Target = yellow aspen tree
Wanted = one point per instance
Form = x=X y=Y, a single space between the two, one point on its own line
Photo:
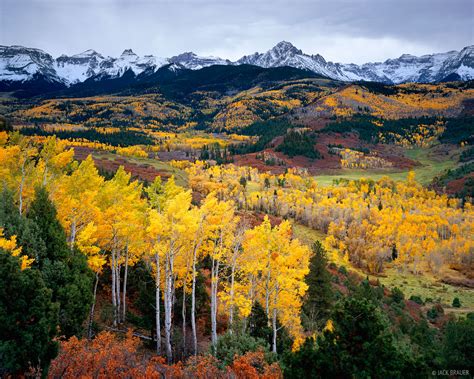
x=282 y=263
x=53 y=158
x=76 y=199
x=87 y=244
x=116 y=200
x=168 y=227
x=220 y=226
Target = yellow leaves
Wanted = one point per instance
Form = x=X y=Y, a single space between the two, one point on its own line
x=409 y=101
x=96 y=262
x=330 y=101
x=26 y=262
x=3 y=138
x=132 y=151
x=272 y=253
x=62 y=159
x=356 y=159
x=87 y=243
x=364 y=220
x=329 y=326
x=10 y=245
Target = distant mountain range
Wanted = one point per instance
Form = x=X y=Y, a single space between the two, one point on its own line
x=22 y=66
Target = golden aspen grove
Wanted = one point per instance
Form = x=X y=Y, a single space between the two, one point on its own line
x=273 y=215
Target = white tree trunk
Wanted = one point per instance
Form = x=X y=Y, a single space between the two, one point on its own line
x=114 y=293
x=183 y=314
x=231 y=310
x=214 y=285
x=197 y=245
x=73 y=233
x=193 y=305
x=91 y=314
x=274 y=325
x=157 y=304
x=124 y=293
x=168 y=304
x=267 y=293
x=117 y=288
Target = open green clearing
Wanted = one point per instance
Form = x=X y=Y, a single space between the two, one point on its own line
x=431 y=164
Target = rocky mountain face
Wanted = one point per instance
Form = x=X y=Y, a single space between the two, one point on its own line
x=20 y=64
x=192 y=61
x=406 y=68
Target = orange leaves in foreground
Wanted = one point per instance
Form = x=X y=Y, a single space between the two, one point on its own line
x=107 y=356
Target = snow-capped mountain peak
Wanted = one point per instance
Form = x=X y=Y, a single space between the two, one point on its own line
x=192 y=61
x=128 y=52
x=285 y=48
x=22 y=64
x=87 y=53
x=406 y=68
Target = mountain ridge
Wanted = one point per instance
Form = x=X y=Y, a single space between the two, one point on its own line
x=22 y=64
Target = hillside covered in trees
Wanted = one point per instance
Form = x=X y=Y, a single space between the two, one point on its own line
x=234 y=272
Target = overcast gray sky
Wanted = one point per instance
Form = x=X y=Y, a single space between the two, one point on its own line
x=340 y=30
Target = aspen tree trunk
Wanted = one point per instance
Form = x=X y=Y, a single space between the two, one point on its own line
x=193 y=294
x=231 y=310
x=73 y=233
x=117 y=288
x=274 y=320
x=193 y=305
x=183 y=314
x=91 y=314
x=157 y=304
x=114 y=293
x=168 y=305
x=214 y=285
x=124 y=292
x=274 y=325
x=267 y=292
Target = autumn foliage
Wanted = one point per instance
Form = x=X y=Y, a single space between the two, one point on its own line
x=108 y=356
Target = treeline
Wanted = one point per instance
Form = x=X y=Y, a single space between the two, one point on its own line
x=370 y=128
x=463 y=171
x=215 y=152
x=266 y=132
x=299 y=143
x=120 y=138
x=458 y=130
x=467 y=155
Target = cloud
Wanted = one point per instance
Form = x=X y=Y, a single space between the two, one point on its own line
x=340 y=30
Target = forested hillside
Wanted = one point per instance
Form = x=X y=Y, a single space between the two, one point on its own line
x=236 y=272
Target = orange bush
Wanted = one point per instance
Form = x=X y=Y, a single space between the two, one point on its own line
x=108 y=356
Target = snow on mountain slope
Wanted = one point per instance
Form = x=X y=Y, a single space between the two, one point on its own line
x=192 y=61
x=115 y=67
x=19 y=63
x=406 y=68
x=79 y=67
